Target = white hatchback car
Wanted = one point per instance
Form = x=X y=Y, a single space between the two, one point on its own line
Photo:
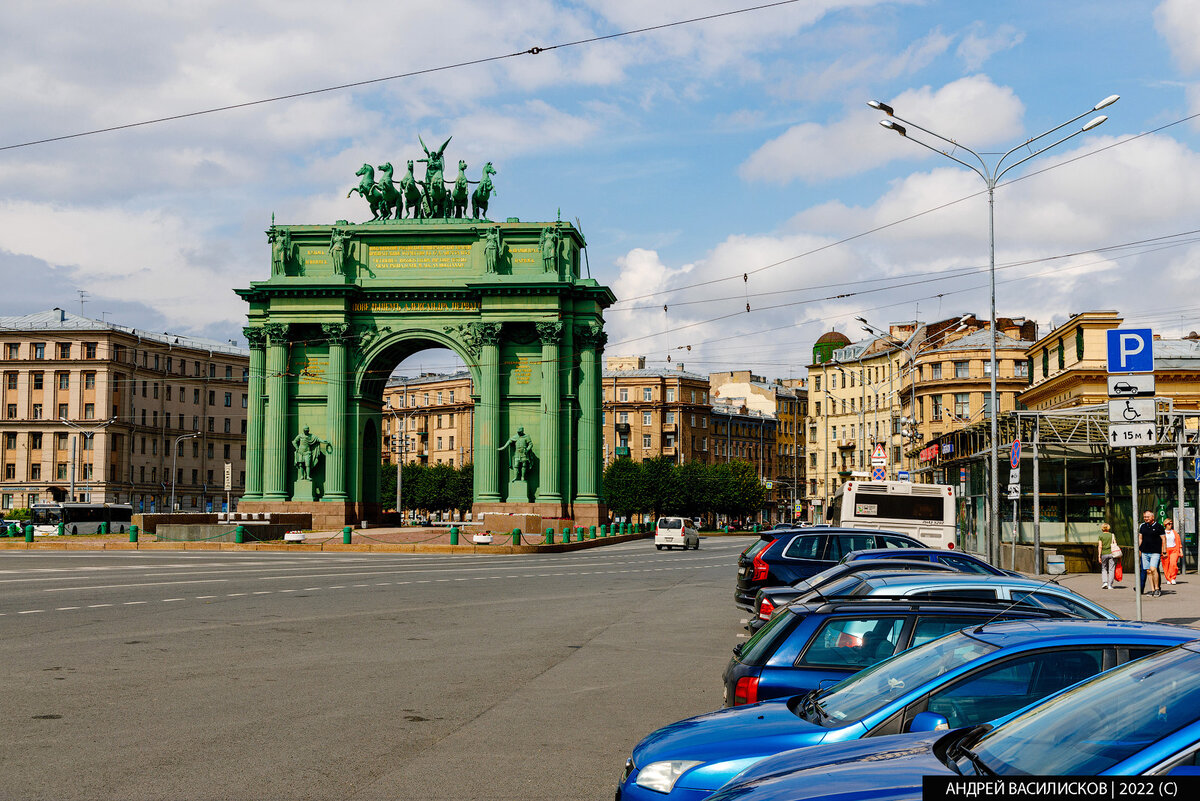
x=676 y=531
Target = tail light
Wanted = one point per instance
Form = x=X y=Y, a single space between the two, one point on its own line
x=950 y=546
x=765 y=610
x=746 y=690
x=760 y=567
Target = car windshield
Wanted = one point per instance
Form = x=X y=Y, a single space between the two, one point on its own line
x=753 y=548
x=1079 y=733
x=870 y=689
x=820 y=578
x=670 y=522
x=848 y=586
x=759 y=648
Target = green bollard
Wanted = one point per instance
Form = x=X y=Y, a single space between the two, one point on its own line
x=603 y=530
x=29 y=533
x=549 y=536
x=133 y=532
x=347 y=532
x=454 y=535
x=516 y=536
x=566 y=535
x=104 y=527
x=62 y=529
x=591 y=532
x=239 y=535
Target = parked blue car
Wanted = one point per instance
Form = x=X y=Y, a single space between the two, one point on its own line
x=963 y=679
x=1141 y=719
x=962 y=562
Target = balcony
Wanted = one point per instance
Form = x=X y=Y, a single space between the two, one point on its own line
x=669 y=426
x=622 y=428
x=622 y=451
x=846 y=444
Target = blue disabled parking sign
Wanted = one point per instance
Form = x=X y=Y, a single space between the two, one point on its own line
x=1130 y=350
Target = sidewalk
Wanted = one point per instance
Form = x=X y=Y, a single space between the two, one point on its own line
x=1179 y=603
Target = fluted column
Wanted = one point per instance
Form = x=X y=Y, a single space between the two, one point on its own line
x=548 y=449
x=335 y=408
x=275 y=444
x=487 y=462
x=590 y=340
x=256 y=338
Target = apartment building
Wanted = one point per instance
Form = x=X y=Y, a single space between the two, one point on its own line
x=655 y=412
x=100 y=412
x=429 y=419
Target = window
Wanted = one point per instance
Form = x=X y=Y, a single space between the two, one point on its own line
x=439 y=399
x=228 y=371
x=452 y=443
x=1062 y=357
x=1045 y=362
x=60 y=471
x=935 y=371
x=10 y=380
x=962 y=404
x=10 y=439
x=35 y=472
x=35 y=440
x=439 y=443
x=962 y=369
x=11 y=350
x=245 y=400
x=670 y=394
x=1079 y=344
x=60 y=440
x=62 y=410
x=229 y=399
x=39 y=350
x=228 y=429
x=987 y=367
x=212 y=397
x=669 y=417
x=89 y=350
x=935 y=407
x=37 y=411
x=624 y=394
x=647 y=394
x=10 y=471
x=196 y=396
x=853 y=642
x=817 y=384
x=623 y=417
x=646 y=441
x=1021 y=368
x=645 y=418
x=38 y=380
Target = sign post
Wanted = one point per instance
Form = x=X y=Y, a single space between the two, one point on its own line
x=1014 y=494
x=228 y=484
x=1131 y=420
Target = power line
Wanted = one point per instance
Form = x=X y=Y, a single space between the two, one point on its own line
x=530 y=51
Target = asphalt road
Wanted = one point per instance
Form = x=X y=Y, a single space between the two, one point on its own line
x=177 y=675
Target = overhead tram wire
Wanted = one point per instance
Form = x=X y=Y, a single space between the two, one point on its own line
x=911 y=217
x=531 y=51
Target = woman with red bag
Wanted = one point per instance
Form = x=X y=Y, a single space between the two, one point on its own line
x=1108 y=553
x=1172 y=551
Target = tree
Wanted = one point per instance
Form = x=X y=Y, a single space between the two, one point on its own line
x=624 y=487
x=737 y=491
x=657 y=475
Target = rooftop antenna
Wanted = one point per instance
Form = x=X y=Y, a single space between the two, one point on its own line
x=102 y=316
x=82 y=299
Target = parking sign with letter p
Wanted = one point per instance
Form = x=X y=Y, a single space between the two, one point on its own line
x=1130 y=350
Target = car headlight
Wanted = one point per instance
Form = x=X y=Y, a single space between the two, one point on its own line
x=661 y=776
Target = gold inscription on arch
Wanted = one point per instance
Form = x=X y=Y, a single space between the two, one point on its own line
x=419 y=306
x=416 y=257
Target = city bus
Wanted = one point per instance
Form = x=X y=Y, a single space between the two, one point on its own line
x=80 y=518
x=923 y=511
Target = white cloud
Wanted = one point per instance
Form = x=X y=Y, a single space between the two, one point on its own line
x=978 y=44
x=974 y=109
x=1178 y=21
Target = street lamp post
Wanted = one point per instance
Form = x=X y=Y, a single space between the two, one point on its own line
x=174 y=453
x=400 y=436
x=991 y=175
x=86 y=432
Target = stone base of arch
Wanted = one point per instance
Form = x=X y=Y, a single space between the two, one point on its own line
x=326 y=515
x=583 y=514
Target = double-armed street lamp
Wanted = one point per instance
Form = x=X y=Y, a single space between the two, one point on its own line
x=991 y=175
x=174 y=453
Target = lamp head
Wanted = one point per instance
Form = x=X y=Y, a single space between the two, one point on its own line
x=1094 y=122
x=893 y=126
x=884 y=107
x=1106 y=102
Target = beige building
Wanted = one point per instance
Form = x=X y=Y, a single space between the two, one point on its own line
x=650 y=412
x=435 y=414
x=787 y=403
x=94 y=411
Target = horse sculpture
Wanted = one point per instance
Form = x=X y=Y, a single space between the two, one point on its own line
x=458 y=196
x=434 y=204
x=387 y=198
x=410 y=195
x=479 y=198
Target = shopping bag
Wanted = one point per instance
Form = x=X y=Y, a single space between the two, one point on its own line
x=1118 y=573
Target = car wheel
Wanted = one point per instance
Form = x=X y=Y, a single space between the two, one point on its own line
x=659 y=547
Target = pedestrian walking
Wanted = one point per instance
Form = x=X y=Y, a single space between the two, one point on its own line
x=1107 y=553
x=1150 y=545
x=1172 y=551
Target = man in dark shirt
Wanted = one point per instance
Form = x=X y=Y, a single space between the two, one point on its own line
x=1150 y=543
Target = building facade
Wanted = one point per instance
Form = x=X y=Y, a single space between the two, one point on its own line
x=429 y=420
x=94 y=411
x=650 y=412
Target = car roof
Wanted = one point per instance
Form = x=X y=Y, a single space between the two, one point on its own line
x=913 y=550
x=943 y=579
x=909 y=565
x=815 y=531
x=939 y=605
x=1011 y=634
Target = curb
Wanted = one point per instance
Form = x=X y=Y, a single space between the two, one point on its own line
x=326 y=547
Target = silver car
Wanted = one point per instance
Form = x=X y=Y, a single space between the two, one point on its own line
x=676 y=532
x=964 y=586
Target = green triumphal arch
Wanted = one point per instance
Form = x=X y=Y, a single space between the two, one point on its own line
x=346 y=302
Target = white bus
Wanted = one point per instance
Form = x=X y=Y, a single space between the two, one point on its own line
x=80 y=518
x=923 y=511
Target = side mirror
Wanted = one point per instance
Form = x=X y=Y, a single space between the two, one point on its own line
x=737 y=649
x=928 y=721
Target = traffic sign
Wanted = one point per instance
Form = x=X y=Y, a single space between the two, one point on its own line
x=1131 y=410
x=1196 y=469
x=1130 y=350
x=879 y=474
x=902 y=475
x=1130 y=435
x=879 y=455
x=1014 y=454
x=228 y=476
x=1014 y=476
x=1014 y=492
x=1131 y=386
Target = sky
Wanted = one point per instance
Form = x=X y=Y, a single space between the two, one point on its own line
x=727 y=169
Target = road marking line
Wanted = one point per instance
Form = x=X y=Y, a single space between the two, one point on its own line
x=383 y=584
x=134 y=603
x=361 y=585
x=338 y=587
x=98 y=606
x=65 y=608
x=286 y=590
x=263 y=592
x=202 y=597
x=30 y=611
x=169 y=600
x=311 y=589
x=234 y=594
